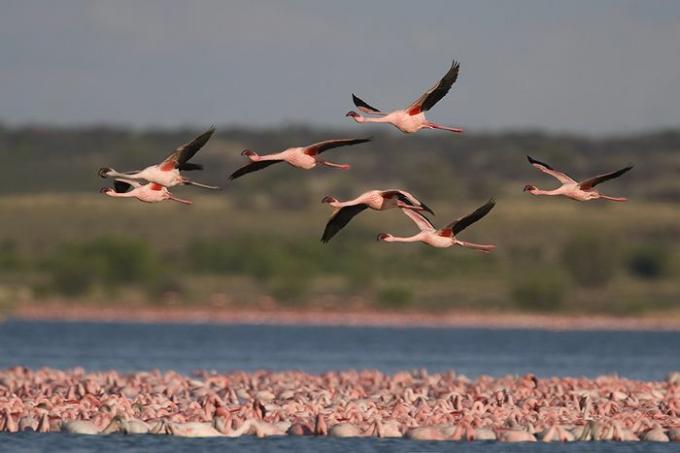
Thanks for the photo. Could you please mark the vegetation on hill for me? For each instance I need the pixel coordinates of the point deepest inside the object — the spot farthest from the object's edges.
(256, 243)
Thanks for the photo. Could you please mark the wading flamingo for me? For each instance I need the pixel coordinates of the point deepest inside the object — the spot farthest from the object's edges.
(304, 157)
(412, 118)
(443, 237)
(148, 193)
(378, 200)
(579, 191)
(167, 173)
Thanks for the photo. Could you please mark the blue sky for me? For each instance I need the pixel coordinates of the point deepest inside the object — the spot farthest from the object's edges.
(579, 65)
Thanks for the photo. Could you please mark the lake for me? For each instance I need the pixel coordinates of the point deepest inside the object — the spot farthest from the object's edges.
(187, 347)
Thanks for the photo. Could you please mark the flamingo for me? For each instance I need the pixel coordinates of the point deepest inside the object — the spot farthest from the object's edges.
(148, 193)
(378, 200)
(304, 157)
(443, 237)
(412, 118)
(579, 191)
(168, 172)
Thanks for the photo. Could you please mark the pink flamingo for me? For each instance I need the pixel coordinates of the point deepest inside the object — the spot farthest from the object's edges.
(579, 191)
(167, 173)
(304, 157)
(443, 237)
(148, 193)
(412, 118)
(378, 200)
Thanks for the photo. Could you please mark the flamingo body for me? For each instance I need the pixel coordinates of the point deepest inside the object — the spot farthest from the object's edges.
(570, 188)
(444, 237)
(147, 193)
(412, 118)
(377, 200)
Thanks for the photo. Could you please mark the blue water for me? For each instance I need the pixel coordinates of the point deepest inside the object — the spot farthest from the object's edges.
(497, 352)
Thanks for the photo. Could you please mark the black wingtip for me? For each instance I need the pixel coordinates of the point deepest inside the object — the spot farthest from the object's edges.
(538, 162)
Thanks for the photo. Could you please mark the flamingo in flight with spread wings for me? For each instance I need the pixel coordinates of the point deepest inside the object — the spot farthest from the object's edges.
(304, 157)
(579, 191)
(412, 118)
(378, 200)
(148, 193)
(443, 237)
(168, 172)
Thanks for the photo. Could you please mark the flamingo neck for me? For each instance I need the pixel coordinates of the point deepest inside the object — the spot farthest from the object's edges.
(415, 238)
(112, 193)
(544, 192)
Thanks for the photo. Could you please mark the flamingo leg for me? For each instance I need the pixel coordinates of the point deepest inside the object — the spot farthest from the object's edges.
(457, 130)
(606, 197)
(198, 184)
(179, 200)
(332, 165)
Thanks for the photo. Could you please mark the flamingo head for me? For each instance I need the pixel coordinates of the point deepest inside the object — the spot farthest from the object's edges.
(249, 154)
(104, 172)
(105, 190)
(383, 237)
(354, 115)
(328, 199)
(529, 188)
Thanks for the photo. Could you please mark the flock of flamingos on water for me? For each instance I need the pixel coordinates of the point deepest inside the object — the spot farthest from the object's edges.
(160, 177)
(415, 405)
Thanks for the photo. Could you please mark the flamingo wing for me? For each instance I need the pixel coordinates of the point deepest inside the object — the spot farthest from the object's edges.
(340, 219)
(251, 167)
(318, 148)
(436, 93)
(407, 198)
(547, 169)
(592, 182)
(363, 106)
(179, 159)
(460, 224)
(422, 222)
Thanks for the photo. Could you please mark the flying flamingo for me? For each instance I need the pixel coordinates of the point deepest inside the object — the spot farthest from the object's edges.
(304, 157)
(148, 193)
(378, 200)
(443, 237)
(412, 118)
(167, 173)
(579, 191)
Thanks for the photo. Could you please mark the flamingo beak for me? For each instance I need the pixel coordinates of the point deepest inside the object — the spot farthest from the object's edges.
(528, 188)
(103, 172)
(382, 237)
(104, 190)
(327, 199)
(352, 114)
(427, 208)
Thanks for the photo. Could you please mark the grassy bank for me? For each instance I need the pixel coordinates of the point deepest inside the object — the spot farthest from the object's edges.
(553, 255)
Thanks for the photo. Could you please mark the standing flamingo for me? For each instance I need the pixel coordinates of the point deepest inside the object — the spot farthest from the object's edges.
(378, 200)
(443, 237)
(579, 191)
(148, 193)
(412, 118)
(167, 173)
(304, 157)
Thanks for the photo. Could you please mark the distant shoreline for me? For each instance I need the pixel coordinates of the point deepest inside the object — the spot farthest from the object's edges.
(367, 318)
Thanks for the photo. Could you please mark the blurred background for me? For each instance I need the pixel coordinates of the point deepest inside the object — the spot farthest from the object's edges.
(588, 87)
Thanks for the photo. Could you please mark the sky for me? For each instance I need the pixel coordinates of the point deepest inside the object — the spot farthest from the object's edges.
(595, 67)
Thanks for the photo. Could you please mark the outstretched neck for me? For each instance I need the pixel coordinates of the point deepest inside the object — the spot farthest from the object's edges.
(120, 194)
(415, 238)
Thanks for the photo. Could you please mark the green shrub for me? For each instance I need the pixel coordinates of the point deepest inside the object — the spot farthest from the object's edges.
(9, 258)
(395, 297)
(650, 261)
(289, 290)
(591, 259)
(74, 268)
(539, 290)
